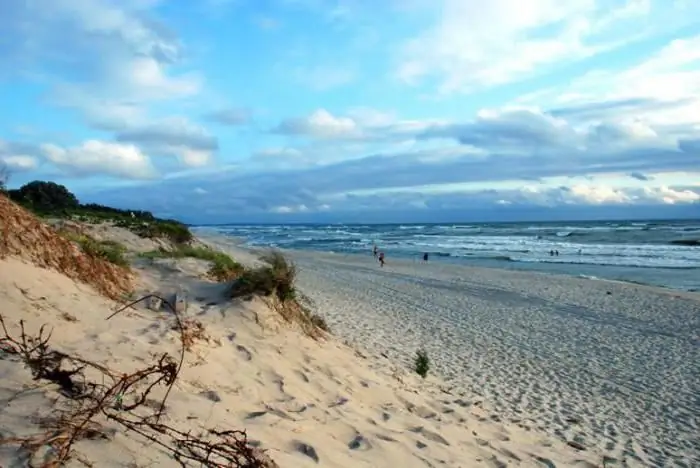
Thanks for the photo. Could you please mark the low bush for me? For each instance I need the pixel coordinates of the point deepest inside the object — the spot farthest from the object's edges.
(276, 277)
(223, 267)
(421, 363)
(276, 280)
(112, 251)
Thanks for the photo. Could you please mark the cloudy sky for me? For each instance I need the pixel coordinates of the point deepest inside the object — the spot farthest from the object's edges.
(269, 110)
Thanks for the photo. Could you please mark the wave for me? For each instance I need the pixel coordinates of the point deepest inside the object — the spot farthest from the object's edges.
(686, 242)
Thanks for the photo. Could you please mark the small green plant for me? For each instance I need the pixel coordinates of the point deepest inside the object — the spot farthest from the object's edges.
(422, 363)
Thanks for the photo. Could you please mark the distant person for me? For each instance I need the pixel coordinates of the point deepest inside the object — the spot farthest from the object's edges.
(556, 252)
(381, 259)
(551, 253)
(374, 251)
(579, 252)
(425, 257)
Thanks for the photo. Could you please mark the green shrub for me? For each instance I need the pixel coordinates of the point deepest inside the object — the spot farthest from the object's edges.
(276, 277)
(108, 250)
(421, 363)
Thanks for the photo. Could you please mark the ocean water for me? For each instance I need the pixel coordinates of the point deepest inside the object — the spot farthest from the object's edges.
(636, 251)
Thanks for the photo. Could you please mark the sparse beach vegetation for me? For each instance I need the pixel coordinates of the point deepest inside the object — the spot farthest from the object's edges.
(223, 267)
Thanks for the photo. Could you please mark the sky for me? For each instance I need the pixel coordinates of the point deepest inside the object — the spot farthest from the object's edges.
(215, 111)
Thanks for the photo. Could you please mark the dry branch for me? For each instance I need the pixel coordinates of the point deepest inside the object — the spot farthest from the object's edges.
(122, 399)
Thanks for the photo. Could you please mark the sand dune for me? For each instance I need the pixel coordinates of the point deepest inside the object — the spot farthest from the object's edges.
(307, 402)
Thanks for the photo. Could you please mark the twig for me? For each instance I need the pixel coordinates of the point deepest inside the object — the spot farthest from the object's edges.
(118, 398)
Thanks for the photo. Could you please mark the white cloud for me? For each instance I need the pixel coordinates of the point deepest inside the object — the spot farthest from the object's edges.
(321, 124)
(17, 158)
(598, 194)
(192, 144)
(662, 89)
(290, 209)
(19, 162)
(361, 124)
(100, 157)
(104, 58)
(475, 44)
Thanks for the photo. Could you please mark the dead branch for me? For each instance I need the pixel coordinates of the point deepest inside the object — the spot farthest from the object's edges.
(122, 399)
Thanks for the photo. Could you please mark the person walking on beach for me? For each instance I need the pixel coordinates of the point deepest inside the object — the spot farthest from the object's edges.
(425, 257)
(381, 259)
(375, 250)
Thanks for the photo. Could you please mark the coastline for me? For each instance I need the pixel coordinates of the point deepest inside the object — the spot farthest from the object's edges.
(222, 241)
(638, 252)
(602, 362)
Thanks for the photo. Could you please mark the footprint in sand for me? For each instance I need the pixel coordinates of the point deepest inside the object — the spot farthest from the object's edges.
(430, 435)
(247, 355)
(302, 375)
(359, 442)
(307, 450)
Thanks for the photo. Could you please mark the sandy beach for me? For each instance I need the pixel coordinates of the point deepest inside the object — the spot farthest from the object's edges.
(609, 364)
(304, 401)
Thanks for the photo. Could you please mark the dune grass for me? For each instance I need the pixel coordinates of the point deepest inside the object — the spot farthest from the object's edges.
(276, 279)
(223, 267)
(112, 251)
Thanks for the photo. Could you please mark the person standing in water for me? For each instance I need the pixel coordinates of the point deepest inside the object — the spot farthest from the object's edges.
(374, 250)
(381, 259)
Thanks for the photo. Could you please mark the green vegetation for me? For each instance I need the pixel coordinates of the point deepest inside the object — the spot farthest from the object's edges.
(276, 277)
(49, 199)
(108, 250)
(421, 364)
(223, 267)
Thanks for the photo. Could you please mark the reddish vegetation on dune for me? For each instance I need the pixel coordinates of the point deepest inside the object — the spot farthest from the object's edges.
(26, 237)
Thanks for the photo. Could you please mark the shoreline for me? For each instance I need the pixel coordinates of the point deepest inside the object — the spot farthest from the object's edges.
(241, 243)
(605, 363)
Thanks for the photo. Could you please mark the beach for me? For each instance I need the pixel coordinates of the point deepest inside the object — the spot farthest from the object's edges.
(304, 399)
(609, 364)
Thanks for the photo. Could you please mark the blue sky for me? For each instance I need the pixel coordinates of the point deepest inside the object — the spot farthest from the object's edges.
(274, 110)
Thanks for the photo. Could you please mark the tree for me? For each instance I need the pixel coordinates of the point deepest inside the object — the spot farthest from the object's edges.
(4, 177)
(45, 197)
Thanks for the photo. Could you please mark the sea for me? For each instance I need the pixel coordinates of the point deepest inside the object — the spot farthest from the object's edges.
(659, 253)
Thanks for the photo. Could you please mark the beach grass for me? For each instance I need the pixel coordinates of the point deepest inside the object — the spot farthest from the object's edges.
(276, 277)
(223, 267)
(109, 250)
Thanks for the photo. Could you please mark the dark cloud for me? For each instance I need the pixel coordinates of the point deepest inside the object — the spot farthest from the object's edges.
(516, 146)
(231, 116)
(602, 109)
(640, 176)
(517, 130)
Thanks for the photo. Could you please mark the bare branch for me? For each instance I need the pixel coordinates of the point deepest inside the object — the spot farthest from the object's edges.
(115, 397)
